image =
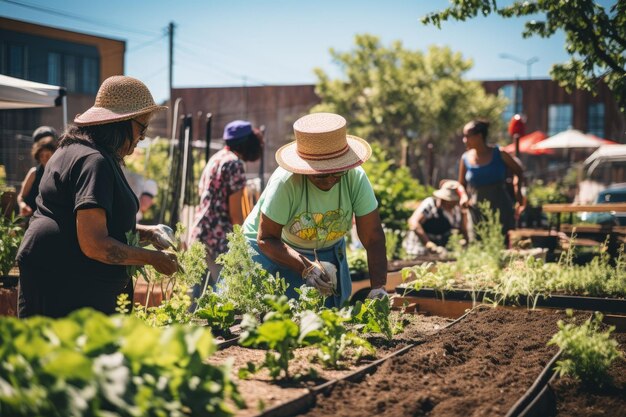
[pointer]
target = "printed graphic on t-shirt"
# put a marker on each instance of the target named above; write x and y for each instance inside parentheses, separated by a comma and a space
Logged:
(324, 227)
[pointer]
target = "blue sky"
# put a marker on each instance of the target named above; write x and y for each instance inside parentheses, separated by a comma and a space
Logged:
(237, 42)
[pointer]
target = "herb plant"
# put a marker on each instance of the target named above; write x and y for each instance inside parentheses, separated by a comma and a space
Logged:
(170, 311)
(243, 281)
(588, 352)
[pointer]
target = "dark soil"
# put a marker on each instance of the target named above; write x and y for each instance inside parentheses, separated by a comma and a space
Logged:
(260, 392)
(478, 367)
(576, 400)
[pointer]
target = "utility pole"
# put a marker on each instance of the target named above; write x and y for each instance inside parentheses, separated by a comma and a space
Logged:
(170, 33)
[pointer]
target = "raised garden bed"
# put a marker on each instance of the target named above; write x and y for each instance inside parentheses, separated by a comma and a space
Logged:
(8, 293)
(606, 305)
(481, 366)
(567, 397)
(262, 394)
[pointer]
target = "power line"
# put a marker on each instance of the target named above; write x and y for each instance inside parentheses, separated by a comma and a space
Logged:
(147, 43)
(227, 56)
(154, 74)
(219, 68)
(80, 18)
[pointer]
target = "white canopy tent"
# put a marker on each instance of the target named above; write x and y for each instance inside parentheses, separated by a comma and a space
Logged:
(606, 153)
(16, 93)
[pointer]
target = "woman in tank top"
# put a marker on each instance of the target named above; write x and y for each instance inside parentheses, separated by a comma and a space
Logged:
(482, 174)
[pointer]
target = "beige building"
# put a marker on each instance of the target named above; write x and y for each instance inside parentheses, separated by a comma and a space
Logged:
(77, 61)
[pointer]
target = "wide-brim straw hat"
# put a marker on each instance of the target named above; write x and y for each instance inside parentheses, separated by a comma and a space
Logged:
(322, 146)
(448, 191)
(119, 98)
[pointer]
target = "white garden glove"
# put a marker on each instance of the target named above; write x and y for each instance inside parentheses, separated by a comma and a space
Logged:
(163, 237)
(434, 248)
(314, 276)
(377, 293)
(331, 272)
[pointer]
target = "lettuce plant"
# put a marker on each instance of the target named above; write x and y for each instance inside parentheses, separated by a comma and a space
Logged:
(334, 339)
(374, 316)
(280, 333)
(89, 364)
(219, 314)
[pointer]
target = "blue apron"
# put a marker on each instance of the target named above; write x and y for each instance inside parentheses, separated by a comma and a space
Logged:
(335, 254)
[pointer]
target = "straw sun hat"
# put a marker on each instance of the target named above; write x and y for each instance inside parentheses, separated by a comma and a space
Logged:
(448, 191)
(322, 146)
(119, 98)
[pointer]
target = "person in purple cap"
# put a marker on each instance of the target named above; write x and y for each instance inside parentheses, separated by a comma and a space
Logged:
(221, 190)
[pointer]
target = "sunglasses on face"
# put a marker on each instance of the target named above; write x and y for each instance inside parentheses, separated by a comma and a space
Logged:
(334, 175)
(142, 131)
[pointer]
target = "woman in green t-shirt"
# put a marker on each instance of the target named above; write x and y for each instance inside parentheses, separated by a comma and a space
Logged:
(308, 207)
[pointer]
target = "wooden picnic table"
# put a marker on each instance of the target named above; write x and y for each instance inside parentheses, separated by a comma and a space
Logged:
(597, 232)
(580, 208)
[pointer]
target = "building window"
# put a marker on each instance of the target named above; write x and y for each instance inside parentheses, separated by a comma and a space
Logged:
(90, 75)
(16, 57)
(559, 118)
(515, 99)
(70, 73)
(54, 68)
(595, 119)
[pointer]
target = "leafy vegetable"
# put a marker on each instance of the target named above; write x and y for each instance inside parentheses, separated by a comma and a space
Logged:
(334, 339)
(219, 314)
(587, 352)
(374, 314)
(89, 364)
(279, 333)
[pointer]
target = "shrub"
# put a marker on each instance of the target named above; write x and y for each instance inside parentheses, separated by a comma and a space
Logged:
(11, 235)
(393, 186)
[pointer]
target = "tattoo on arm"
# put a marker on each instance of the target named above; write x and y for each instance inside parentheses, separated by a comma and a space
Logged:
(116, 255)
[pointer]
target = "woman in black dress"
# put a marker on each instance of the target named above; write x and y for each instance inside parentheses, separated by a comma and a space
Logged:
(45, 142)
(75, 253)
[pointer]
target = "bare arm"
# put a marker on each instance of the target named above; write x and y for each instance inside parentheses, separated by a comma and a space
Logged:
(27, 184)
(518, 172)
(95, 243)
(371, 234)
(270, 243)
(415, 223)
(234, 207)
(463, 184)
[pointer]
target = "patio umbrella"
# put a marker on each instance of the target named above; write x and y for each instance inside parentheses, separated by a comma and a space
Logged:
(526, 142)
(569, 139)
(604, 141)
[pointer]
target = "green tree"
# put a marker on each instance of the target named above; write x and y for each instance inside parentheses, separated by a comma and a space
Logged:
(595, 37)
(394, 95)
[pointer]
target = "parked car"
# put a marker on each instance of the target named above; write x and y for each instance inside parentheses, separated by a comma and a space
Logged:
(615, 193)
